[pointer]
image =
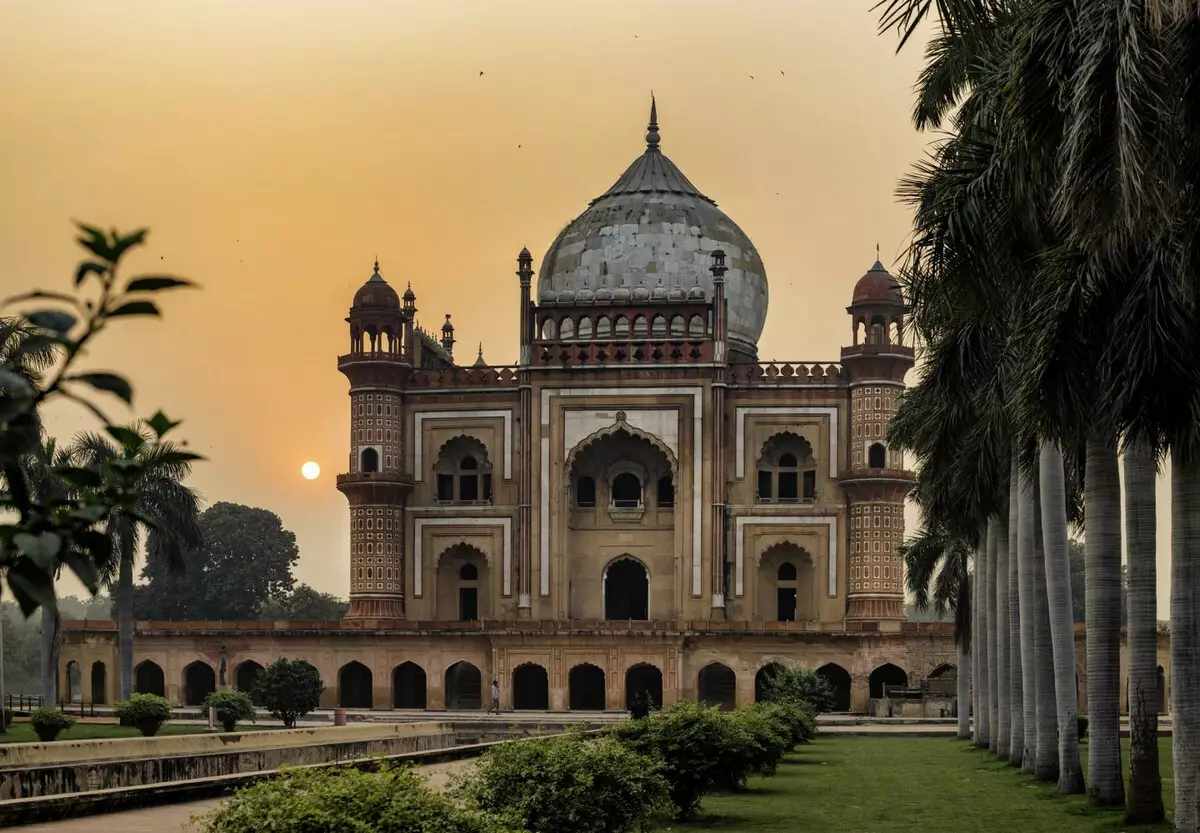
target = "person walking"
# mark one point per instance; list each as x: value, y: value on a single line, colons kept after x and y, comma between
x: 495, y: 704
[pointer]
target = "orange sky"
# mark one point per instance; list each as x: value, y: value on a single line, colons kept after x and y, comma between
x: 276, y: 148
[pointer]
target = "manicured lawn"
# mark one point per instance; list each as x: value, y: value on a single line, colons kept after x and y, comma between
x: 897, y: 785
x: 23, y: 732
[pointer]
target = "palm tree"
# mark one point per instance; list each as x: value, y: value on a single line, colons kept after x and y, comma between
x: 1003, y: 682
x: 1026, y: 529
x: 937, y: 572
x: 1145, y: 803
x: 1046, y: 761
x: 1016, y: 748
x: 166, y: 513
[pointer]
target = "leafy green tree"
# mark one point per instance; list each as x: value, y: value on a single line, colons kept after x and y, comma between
x: 231, y: 707
x: 244, y: 560
x: 304, y: 604
x: 163, y: 511
x: 289, y: 689
x: 793, y: 684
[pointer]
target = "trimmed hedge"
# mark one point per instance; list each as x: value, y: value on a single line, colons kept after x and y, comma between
x: 148, y: 712
x: 48, y: 723
x: 231, y: 707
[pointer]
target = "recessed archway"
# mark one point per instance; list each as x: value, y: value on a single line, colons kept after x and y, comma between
x: 245, y: 675
x: 355, y: 686
x: 530, y: 687
x: 148, y: 679
x: 99, y: 682
x: 717, y: 686
x: 74, y: 682
x: 760, y: 679
x: 646, y: 680
x: 464, y: 687
x: 199, y: 681
x: 586, y: 685
x: 839, y: 680
x: 626, y: 590
x: 408, y: 686
x: 891, y: 676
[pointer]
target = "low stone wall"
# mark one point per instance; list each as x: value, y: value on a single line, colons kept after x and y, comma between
x: 935, y: 706
x: 30, y: 770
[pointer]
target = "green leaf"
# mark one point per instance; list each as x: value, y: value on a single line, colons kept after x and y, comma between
x: 123, y: 243
x: 160, y: 424
x: 52, y: 319
x: 96, y: 544
x: 127, y: 437
x: 96, y: 242
x: 91, y: 512
x: 39, y: 293
x: 76, y: 476
x: 134, y: 308
x: 13, y: 384
x: 154, y: 283
x: 42, y: 549
x: 31, y: 587
x: 108, y: 382
x: 84, y: 568
x: 167, y: 458
x: 88, y: 267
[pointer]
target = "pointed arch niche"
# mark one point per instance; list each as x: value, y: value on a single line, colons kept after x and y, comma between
x: 462, y: 584
x: 787, y: 586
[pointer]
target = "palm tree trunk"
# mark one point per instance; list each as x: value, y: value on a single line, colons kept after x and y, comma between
x: 964, y: 690
x: 1145, y: 802
x: 1185, y: 647
x: 1102, y: 595
x: 1003, y: 715
x: 125, y: 616
x: 1045, y: 766
x: 986, y: 551
x: 1026, y: 528
x: 49, y: 655
x: 993, y: 636
x: 1062, y: 629
x: 1016, y: 722
x: 976, y: 638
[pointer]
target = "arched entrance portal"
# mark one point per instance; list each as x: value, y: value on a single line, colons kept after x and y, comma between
x: 355, y: 687
x: 245, y: 675
x: 839, y: 680
x: 626, y: 590
x: 199, y: 681
x: 99, y: 682
x: 408, y: 686
x: 760, y: 679
x: 646, y: 680
x: 530, y: 687
x: 148, y: 679
x: 464, y: 687
x: 718, y: 686
x: 586, y: 684
x: 887, y: 675
x: 74, y: 682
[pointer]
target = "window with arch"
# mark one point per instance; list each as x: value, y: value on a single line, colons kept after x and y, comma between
x: 585, y: 492
x: 464, y: 474
x: 621, y: 328
x: 626, y: 491
x: 658, y: 327
x: 785, y: 605
x: 876, y: 456
x: 369, y: 461
x: 585, y: 327
x: 549, y: 331
x: 603, y: 327
x: 640, y: 327
x: 566, y: 329
x: 666, y: 492
x: 696, y: 327
x: 678, y: 327
x: 787, y: 470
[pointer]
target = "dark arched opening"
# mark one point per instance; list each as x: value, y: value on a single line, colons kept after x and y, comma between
x: 464, y: 687
x: 646, y: 680
x: 408, y: 686
x: 666, y: 492
x: 760, y: 680
x: 245, y: 675
x: 99, y: 682
x: 148, y: 679
x: 839, y: 680
x: 876, y: 456
x: 74, y: 682
x: 530, y: 687
x: 370, y: 460
x: 586, y: 684
x: 626, y: 590
x: 889, y: 676
x: 585, y: 492
x: 1162, y: 690
x: 355, y: 687
x: 718, y: 686
x: 199, y: 681
x: 626, y: 491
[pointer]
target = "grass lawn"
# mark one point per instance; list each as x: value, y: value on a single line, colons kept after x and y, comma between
x: 897, y: 785
x: 23, y: 732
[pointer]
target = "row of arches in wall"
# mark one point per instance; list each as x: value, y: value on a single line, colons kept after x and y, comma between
x: 640, y: 326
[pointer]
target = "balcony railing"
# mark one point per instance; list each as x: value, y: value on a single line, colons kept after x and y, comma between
x: 787, y: 373
x: 642, y: 351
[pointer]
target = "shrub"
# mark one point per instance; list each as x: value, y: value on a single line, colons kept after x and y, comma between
x: 289, y: 689
x: 231, y: 707
x: 345, y: 800
x: 1081, y: 722
x: 795, y: 716
x: 757, y: 743
x: 148, y: 712
x: 790, y: 683
x: 691, y: 745
x: 570, y: 784
x: 49, y: 722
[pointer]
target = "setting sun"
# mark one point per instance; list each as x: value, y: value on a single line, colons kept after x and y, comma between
x: 310, y: 470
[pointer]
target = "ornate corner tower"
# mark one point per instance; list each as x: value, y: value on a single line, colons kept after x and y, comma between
x: 875, y: 481
x: 377, y: 366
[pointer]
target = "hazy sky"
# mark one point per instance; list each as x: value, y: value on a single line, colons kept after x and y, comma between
x: 276, y: 148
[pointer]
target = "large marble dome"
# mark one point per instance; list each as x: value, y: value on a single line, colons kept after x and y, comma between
x: 652, y: 233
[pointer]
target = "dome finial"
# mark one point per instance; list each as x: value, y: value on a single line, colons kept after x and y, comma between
x: 652, y: 136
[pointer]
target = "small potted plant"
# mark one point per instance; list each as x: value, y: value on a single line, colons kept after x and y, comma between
x: 147, y: 712
x: 49, y: 722
x: 231, y: 707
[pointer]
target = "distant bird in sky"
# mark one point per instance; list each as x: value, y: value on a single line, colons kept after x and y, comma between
x: 781, y: 72
x: 481, y: 72
x: 751, y: 77
x: 518, y: 147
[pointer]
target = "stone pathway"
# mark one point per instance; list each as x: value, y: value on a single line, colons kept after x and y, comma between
x: 176, y: 818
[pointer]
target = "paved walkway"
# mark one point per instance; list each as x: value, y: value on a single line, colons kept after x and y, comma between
x: 177, y: 818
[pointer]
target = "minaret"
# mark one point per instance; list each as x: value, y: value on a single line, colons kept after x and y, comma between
x: 525, y: 452
x: 448, y: 336
x: 717, y: 555
x: 375, y: 485
x: 875, y: 480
